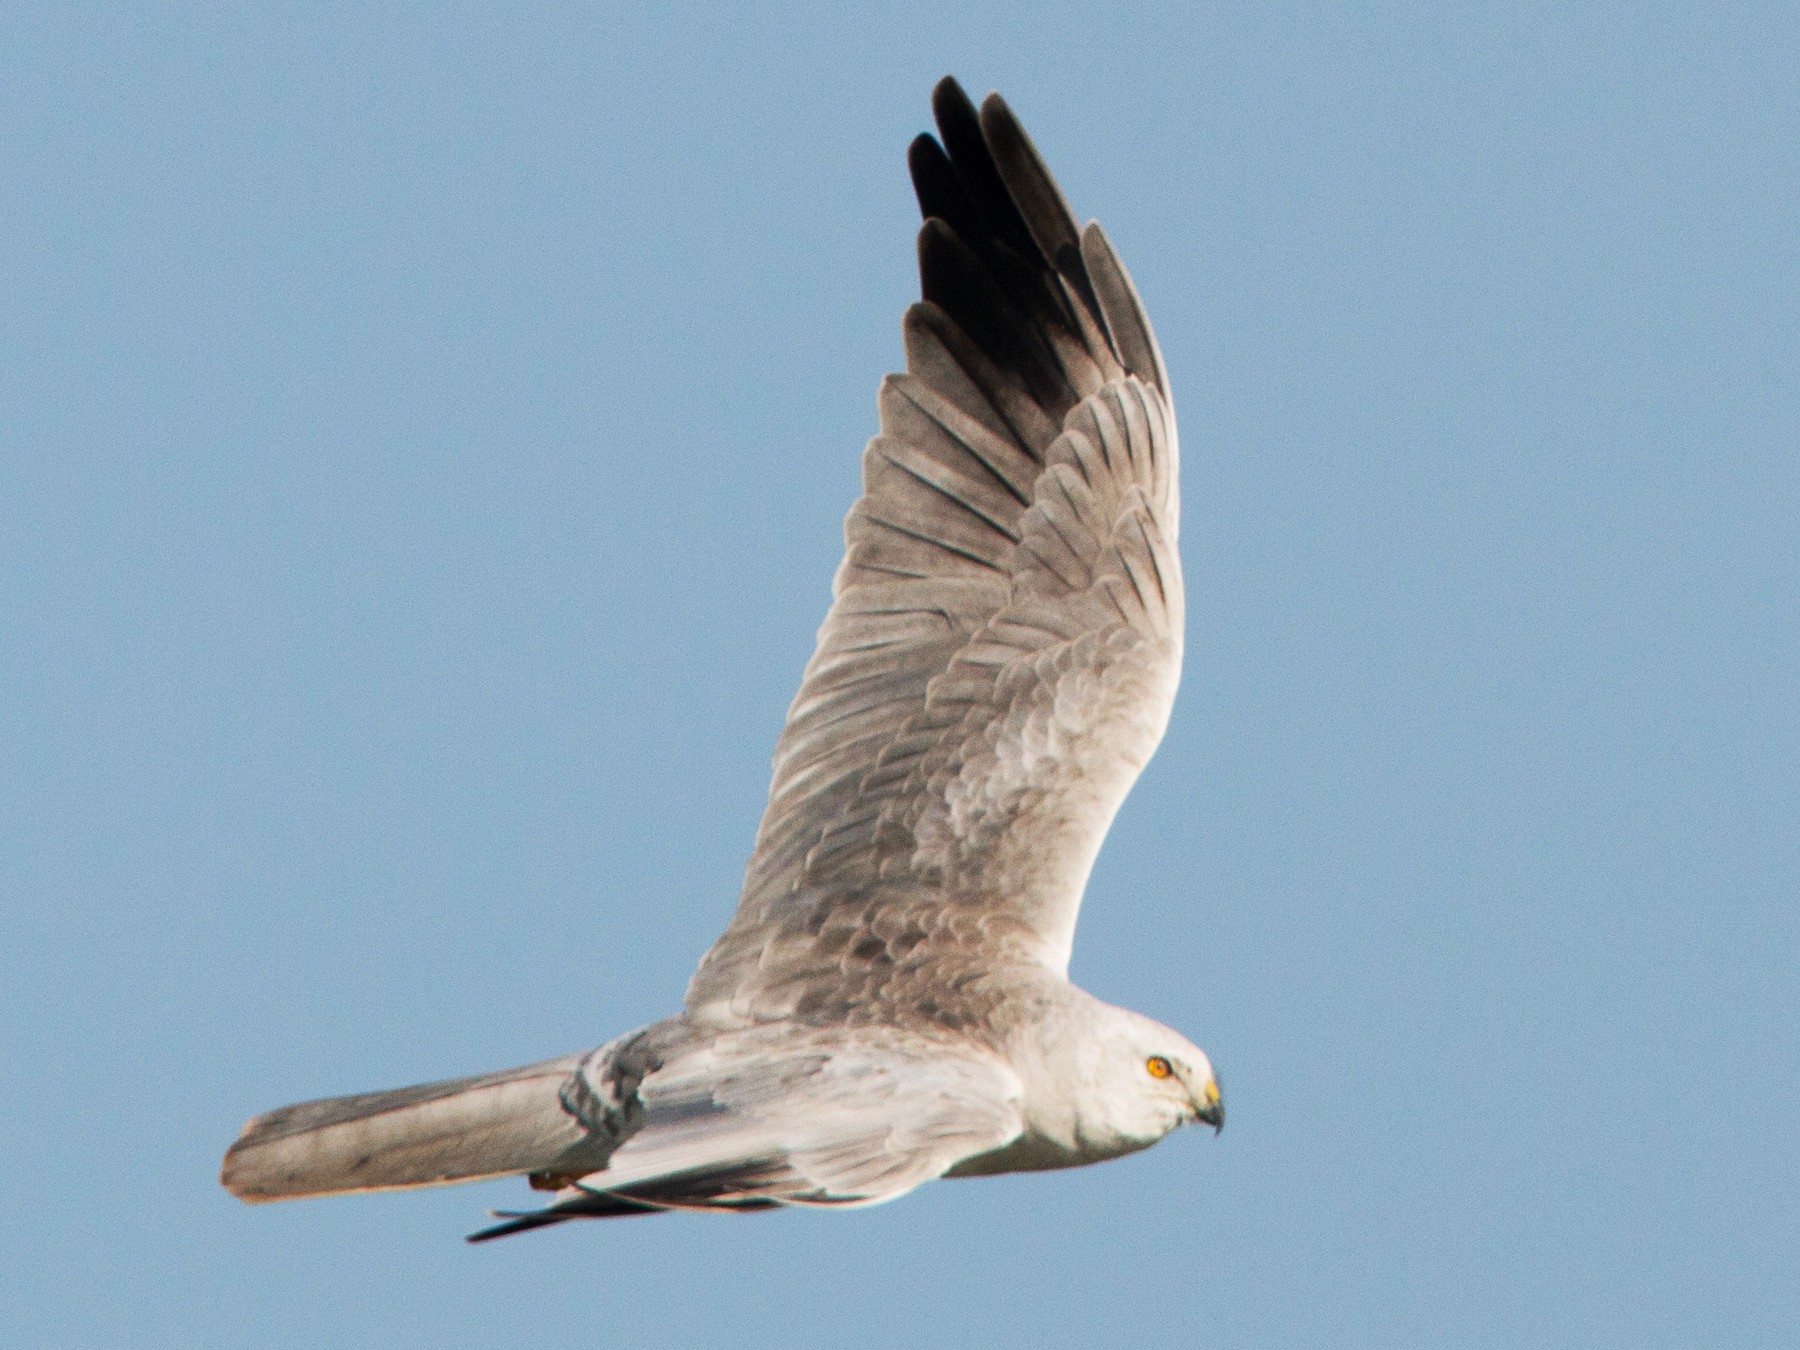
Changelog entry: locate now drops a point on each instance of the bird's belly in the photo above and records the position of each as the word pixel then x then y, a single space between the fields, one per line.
pixel 1033 1152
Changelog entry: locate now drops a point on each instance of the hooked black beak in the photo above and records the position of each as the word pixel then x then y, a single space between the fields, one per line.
pixel 1210 1110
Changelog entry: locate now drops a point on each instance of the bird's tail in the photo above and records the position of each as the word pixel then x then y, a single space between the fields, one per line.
pixel 463 1129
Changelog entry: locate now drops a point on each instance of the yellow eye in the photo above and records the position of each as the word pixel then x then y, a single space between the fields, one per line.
pixel 1159 1067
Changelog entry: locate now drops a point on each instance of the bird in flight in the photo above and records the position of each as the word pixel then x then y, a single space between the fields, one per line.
pixel 890 1003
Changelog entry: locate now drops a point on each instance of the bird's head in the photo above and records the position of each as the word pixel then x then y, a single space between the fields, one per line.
pixel 1173 1075
pixel 1142 1080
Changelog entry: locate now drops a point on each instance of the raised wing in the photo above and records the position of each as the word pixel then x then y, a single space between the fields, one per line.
pixel 1005 636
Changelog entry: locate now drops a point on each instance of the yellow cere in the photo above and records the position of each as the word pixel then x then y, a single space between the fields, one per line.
pixel 1158 1067
pixel 1211 1093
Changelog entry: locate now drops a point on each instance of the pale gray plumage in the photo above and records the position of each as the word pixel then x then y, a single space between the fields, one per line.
pixel 889 1003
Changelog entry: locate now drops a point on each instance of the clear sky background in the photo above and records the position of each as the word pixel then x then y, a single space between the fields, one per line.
pixel 424 432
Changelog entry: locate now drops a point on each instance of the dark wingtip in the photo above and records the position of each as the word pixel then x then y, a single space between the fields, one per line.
pixel 522 1224
pixel 947 98
pixel 924 146
pixel 996 106
pixel 934 181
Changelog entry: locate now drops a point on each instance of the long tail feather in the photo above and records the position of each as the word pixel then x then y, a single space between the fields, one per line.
pixel 463 1129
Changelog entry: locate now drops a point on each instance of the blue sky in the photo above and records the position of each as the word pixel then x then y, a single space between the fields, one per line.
pixel 424 433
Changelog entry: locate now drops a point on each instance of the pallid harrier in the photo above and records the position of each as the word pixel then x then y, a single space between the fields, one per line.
pixel 890 1003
